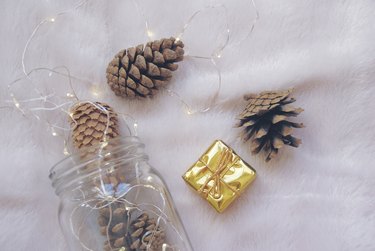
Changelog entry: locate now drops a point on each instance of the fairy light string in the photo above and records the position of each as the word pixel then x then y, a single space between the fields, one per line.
pixel 108 197
pixel 21 105
pixel 216 54
pixel 39 25
pixel 71 98
pixel 46 100
pixel 252 24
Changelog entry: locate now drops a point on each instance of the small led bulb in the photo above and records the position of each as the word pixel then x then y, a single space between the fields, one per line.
pixel 70 95
pixel 189 112
pixel 95 91
pixel 150 34
pixel 54 133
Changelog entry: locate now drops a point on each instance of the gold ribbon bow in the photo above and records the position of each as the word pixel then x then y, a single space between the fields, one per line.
pixel 224 161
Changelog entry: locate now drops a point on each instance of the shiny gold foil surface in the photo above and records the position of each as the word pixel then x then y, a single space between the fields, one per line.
pixel 220 175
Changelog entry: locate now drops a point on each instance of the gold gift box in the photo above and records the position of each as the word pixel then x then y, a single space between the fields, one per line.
pixel 220 175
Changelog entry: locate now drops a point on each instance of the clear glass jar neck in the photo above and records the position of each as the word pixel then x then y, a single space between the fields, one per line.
pixel 78 169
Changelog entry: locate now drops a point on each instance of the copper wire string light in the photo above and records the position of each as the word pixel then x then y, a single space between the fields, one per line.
pixel 217 53
pixel 49 104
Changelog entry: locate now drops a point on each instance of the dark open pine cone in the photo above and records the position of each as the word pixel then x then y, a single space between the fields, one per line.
pixel 265 122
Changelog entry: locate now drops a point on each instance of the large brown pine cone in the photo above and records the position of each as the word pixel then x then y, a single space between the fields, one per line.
pixel 139 71
pixel 265 122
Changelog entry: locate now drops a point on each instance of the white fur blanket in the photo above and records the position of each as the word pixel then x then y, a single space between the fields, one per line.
pixel 317 197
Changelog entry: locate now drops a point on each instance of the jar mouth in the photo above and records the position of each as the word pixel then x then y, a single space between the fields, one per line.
pixel 85 163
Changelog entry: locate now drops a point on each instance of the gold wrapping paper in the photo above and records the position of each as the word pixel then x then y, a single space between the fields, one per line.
pixel 220 175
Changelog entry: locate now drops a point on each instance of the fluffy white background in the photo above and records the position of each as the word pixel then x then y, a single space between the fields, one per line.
pixel 317 197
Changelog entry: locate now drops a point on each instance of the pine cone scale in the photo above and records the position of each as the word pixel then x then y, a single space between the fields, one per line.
pixel 158 58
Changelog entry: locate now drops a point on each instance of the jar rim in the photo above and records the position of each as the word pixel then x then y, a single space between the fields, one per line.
pixel 126 148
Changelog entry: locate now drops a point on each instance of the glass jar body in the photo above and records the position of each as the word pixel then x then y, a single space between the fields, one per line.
pixel 111 199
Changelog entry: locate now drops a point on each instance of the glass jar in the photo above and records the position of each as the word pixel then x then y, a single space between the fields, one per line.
pixel 112 199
